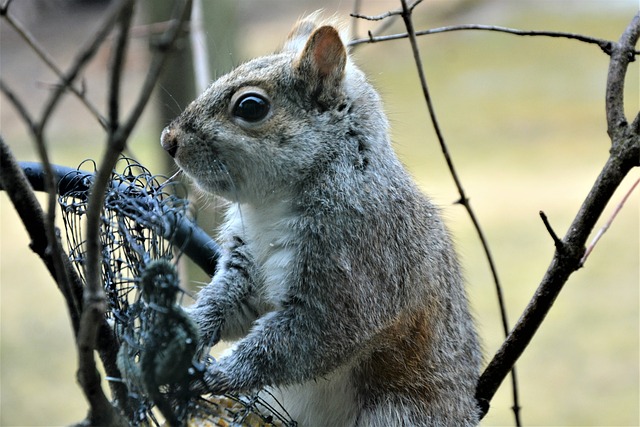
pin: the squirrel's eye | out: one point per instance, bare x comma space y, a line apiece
251, 107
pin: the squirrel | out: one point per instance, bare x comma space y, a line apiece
338, 280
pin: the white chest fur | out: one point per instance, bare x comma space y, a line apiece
268, 230
326, 401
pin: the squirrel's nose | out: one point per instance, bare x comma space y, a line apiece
169, 141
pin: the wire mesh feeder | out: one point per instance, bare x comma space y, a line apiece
158, 340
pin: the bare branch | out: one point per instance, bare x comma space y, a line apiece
380, 17
622, 54
94, 294
116, 67
82, 58
556, 240
101, 410
44, 56
624, 155
16, 184
397, 12
19, 106
605, 45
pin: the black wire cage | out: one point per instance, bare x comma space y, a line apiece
147, 225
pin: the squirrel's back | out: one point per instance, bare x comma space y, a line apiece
339, 278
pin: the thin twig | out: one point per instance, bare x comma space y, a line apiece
384, 25
380, 17
556, 240
14, 182
606, 226
44, 56
101, 410
117, 66
605, 45
82, 58
406, 16
119, 389
398, 12
19, 106
79, 63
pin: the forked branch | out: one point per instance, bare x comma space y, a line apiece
625, 154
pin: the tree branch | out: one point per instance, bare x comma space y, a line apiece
94, 297
605, 45
556, 240
624, 155
19, 106
622, 54
17, 187
117, 65
44, 56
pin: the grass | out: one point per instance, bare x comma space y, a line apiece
524, 120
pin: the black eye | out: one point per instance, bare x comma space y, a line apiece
251, 107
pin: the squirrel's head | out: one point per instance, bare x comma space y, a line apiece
277, 121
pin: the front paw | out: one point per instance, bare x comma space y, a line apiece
214, 381
208, 327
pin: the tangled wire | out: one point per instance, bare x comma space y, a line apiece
158, 341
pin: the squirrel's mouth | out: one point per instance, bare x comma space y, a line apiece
215, 180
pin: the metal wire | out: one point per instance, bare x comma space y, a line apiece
139, 222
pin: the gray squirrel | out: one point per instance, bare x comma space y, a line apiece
338, 280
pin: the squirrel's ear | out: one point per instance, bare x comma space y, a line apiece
299, 35
322, 61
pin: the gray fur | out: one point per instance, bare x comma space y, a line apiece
339, 279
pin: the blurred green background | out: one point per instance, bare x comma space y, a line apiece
524, 120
